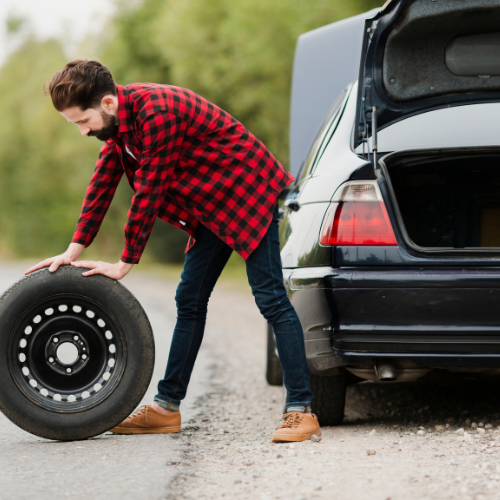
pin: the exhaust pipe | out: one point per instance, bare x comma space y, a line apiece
386, 372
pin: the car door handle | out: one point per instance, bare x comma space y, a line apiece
292, 205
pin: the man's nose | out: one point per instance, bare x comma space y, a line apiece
84, 130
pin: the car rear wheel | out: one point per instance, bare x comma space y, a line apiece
274, 373
329, 397
76, 353
329, 392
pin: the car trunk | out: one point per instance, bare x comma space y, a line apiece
447, 200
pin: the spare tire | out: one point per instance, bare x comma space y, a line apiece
76, 353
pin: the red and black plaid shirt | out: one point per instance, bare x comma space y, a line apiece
188, 162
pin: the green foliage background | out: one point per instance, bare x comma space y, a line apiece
238, 55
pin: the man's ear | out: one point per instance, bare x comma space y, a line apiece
108, 103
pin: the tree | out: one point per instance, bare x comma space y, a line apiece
238, 55
38, 156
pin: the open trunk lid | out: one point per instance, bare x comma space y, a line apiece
420, 55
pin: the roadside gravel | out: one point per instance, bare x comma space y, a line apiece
424, 440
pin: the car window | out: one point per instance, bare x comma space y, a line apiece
331, 132
322, 137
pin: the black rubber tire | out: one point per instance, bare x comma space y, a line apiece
329, 392
138, 354
274, 373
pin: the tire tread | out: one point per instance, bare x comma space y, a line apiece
329, 397
274, 373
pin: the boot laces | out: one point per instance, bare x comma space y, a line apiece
140, 411
291, 420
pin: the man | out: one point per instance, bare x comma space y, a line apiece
196, 167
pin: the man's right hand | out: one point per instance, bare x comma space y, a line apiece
71, 254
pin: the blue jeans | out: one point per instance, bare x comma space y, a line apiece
203, 266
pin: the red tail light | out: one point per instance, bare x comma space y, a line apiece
357, 216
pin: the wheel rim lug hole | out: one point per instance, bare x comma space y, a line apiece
51, 360
68, 370
56, 340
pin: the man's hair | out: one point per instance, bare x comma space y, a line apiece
81, 83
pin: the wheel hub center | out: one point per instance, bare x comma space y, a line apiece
67, 352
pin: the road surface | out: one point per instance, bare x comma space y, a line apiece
415, 441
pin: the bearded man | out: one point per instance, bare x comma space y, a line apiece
193, 165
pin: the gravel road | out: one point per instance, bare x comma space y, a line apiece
435, 439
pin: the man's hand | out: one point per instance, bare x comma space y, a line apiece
71, 254
116, 271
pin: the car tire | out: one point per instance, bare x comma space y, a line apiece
329, 392
76, 353
274, 373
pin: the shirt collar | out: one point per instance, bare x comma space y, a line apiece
125, 121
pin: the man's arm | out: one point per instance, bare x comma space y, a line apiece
99, 195
162, 136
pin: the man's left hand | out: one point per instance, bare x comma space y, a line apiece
115, 271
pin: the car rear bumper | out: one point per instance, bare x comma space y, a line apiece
434, 317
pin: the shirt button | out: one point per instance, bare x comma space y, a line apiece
131, 127
135, 255
143, 235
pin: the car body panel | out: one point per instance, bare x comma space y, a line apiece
400, 313
310, 301
372, 255
299, 231
413, 310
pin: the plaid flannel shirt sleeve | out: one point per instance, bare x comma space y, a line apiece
99, 195
162, 133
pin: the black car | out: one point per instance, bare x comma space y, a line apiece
391, 233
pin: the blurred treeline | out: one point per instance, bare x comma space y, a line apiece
238, 54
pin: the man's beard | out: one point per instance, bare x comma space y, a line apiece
108, 130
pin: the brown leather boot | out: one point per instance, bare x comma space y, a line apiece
296, 426
146, 420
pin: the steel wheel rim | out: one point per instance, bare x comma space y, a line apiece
45, 374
